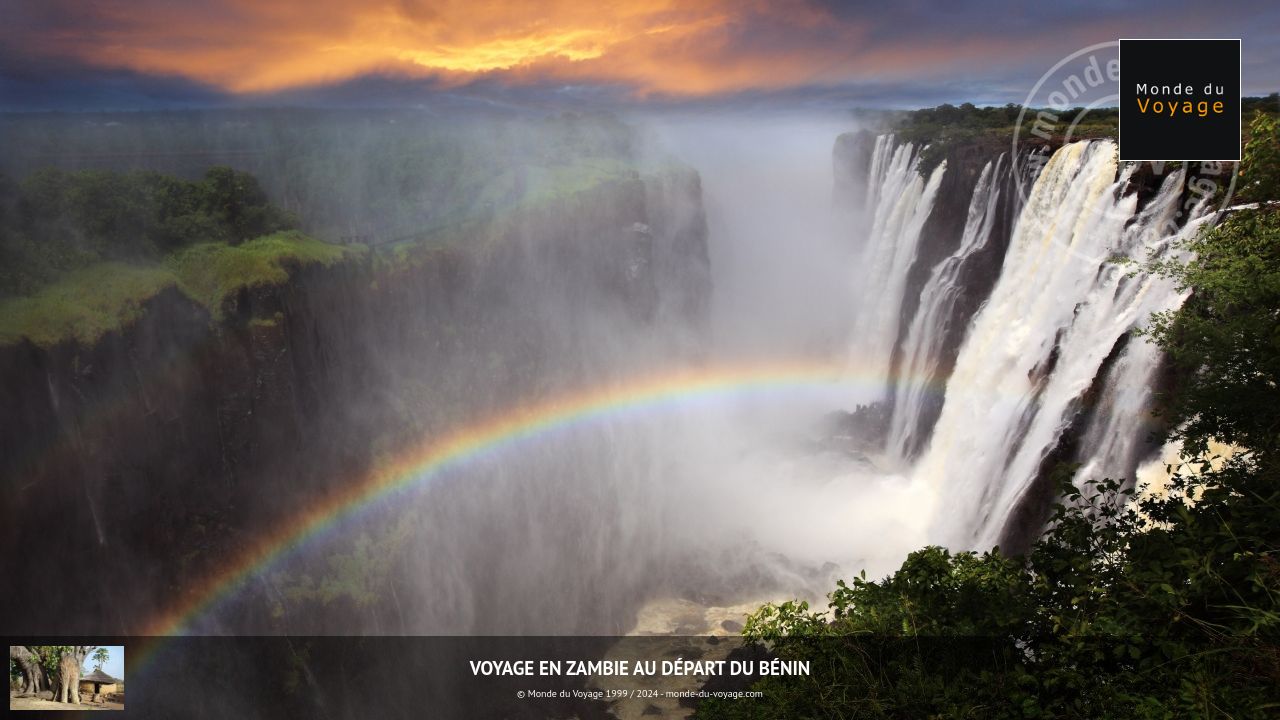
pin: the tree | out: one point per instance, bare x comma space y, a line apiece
54, 666
1127, 608
1224, 338
67, 687
62, 666
238, 202
55, 221
1260, 166
100, 656
34, 677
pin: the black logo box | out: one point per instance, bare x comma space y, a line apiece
1180, 65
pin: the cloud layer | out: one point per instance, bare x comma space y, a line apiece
156, 52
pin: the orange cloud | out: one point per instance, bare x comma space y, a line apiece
663, 48
655, 46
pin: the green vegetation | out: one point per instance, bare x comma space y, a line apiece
100, 656
92, 301
212, 272
379, 176
969, 121
1160, 604
54, 221
81, 251
1261, 159
1227, 337
84, 305
88, 302
947, 126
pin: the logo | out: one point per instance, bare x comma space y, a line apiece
1080, 98
1180, 100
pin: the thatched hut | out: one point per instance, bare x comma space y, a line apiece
98, 683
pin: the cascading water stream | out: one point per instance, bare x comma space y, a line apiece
1118, 437
918, 373
1035, 348
899, 202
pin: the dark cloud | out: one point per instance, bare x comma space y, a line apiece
73, 55
39, 84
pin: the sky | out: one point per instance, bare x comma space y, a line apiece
114, 666
145, 54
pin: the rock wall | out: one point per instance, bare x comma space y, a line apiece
132, 467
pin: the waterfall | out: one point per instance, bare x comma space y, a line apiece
918, 373
1114, 441
1057, 311
1118, 435
899, 202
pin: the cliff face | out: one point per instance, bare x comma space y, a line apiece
134, 465
940, 237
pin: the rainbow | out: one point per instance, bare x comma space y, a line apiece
428, 459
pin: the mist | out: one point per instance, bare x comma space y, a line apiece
733, 325
490, 263
732, 499
781, 269
736, 498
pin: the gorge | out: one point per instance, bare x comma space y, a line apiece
755, 366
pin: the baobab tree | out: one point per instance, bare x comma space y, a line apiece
53, 666
67, 688
34, 678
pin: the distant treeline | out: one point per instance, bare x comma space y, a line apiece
380, 173
947, 126
1005, 117
81, 188
54, 221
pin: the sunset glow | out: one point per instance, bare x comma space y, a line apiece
650, 46
623, 50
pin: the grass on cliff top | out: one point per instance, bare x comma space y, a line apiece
88, 303
84, 305
211, 272
546, 184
